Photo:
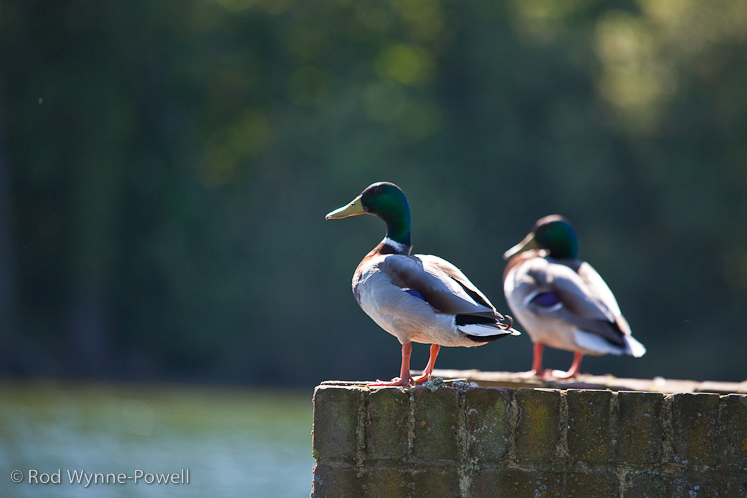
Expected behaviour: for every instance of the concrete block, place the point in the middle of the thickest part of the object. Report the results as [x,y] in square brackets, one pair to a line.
[537,431]
[487,423]
[437,482]
[733,483]
[436,423]
[695,485]
[399,482]
[639,428]
[646,485]
[335,481]
[734,439]
[388,413]
[589,432]
[411,443]
[695,428]
[335,432]
[387,482]
[588,485]
[515,483]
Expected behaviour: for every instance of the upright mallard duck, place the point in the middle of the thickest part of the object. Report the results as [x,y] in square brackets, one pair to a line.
[418,298]
[562,301]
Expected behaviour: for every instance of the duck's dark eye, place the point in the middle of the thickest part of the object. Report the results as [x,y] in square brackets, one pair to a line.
[378,191]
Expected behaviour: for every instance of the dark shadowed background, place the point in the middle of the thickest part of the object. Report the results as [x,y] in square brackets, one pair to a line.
[165,169]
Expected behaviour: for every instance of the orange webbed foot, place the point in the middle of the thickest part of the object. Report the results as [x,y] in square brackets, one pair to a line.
[396,382]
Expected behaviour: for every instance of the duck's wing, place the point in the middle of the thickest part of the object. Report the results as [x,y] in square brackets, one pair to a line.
[599,288]
[442,285]
[442,269]
[563,294]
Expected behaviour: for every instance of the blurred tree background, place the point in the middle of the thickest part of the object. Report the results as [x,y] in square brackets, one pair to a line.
[165,168]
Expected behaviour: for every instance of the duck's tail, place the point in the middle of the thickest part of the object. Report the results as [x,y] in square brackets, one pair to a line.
[601,345]
[633,347]
[482,329]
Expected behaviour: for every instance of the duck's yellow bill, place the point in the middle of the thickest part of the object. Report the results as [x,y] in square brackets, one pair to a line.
[524,245]
[353,209]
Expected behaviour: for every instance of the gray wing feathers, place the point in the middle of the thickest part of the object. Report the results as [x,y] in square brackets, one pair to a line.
[602,328]
[455,273]
[599,288]
[581,306]
[439,282]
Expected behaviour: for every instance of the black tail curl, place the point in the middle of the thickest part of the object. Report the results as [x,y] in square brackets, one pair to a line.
[505,326]
[497,321]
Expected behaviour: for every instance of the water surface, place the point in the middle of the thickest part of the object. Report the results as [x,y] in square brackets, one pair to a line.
[235,443]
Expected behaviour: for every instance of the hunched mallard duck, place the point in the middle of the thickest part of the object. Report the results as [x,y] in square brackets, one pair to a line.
[561,301]
[416,298]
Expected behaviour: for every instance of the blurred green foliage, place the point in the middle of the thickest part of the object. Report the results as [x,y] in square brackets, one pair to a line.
[165,168]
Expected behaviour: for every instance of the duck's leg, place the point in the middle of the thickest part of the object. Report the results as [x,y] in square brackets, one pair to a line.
[537,370]
[435,348]
[575,367]
[404,379]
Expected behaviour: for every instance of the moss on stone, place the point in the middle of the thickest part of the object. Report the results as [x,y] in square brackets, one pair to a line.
[537,431]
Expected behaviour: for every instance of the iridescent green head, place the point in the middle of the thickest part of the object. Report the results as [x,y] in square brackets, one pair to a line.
[388,202]
[553,233]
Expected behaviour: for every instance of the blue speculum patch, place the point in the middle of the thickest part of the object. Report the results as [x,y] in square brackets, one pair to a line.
[415,293]
[545,299]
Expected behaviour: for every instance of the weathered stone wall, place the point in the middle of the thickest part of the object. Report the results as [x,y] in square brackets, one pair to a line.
[466,441]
